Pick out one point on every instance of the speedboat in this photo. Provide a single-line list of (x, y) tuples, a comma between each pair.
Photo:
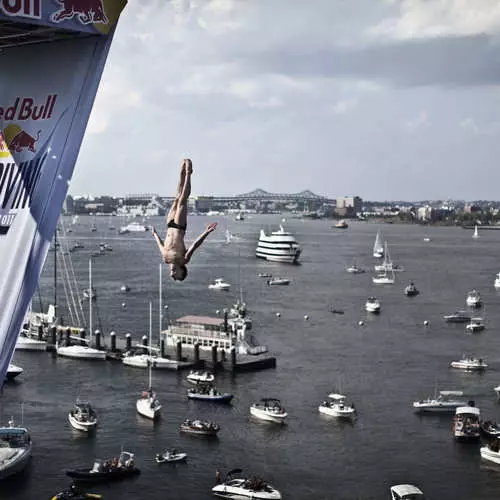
[(13, 371), (354, 269), (241, 488), (446, 401), (278, 281), (170, 456), (411, 290), (473, 299), (124, 288), (341, 224), (466, 423), (265, 275), (475, 325), (83, 417), (270, 410), (497, 281), (133, 227), (337, 406), (491, 451), (148, 405), (74, 493), (469, 363), (457, 317), (207, 392), (490, 429), (15, 449), (219, 284), (372, 305), (196, 376), (104, 471), (497, 391), (199, 427), (406, 492)]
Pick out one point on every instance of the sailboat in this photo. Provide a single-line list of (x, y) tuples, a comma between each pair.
[(476, 232), (386, 276), (378, 247), (83, 351), (148, 405)]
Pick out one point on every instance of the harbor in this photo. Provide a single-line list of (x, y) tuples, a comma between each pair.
[(383, 365)]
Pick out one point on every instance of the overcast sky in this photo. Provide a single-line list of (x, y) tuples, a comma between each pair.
[(385, 99)]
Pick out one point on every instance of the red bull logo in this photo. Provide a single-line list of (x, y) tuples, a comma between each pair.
[(26, 108), (23, 8), (15, 140), (86, 11)]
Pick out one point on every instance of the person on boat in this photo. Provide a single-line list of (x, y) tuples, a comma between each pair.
[(218, 479), (173, 250)]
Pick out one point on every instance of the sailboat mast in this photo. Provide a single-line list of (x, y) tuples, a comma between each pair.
[(55, 272), (160, 301), (150, 337), (90, 300)]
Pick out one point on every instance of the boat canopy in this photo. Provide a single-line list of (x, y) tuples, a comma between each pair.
[(470, 410), (451, 393), (333, 395), (404, 490), (12, 431)]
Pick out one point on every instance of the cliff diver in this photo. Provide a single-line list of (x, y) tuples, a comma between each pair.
[(173, 250)]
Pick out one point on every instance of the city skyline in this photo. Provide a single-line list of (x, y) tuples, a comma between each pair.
[(387, 99)]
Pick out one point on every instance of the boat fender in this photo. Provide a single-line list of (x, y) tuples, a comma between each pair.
[(361, 323)]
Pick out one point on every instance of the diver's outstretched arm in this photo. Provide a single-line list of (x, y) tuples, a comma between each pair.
[(159, 241), (199, 241)]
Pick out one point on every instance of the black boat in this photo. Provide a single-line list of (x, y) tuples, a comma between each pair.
[(490, 429), (411, 290), (106, 470)]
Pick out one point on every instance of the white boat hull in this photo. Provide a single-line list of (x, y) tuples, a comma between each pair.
[(469, 367), (490, 455), (81, 352), (13, 460), (142, 361), (143, 406), (337, 412), (288, 259), (372, 308), (277, 418), (28, 344), (82, 426), (13, 371), (238, 493), (437, 408), (383, 281)]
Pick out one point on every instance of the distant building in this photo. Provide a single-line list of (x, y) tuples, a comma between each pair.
[(349, 206)]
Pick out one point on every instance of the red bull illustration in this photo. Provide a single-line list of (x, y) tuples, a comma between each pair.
[(86, 11), (16, 140)]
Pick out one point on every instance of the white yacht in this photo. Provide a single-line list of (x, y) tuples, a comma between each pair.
[(469, 363), (219, 284), (406, 492), (13, 371), (15, 449), (25, 342), (475, 325), (270, 410), (242, 488), (378, 247), (144, 360), (83, 417), (196, 376), (384, 278), (473, 299), (278, 281), (337, 406), (372, 305), (491, 451), (497, 281), (466, 423), (457, 317), (279, 246), (445, 402), (387, 264), (133, 227)]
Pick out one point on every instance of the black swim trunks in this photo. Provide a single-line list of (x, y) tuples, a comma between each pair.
[(174, 225)]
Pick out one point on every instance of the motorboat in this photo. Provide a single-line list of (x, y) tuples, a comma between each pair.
[(25, 342), (411, 290), (278, 246), (490, 429), (497, 391), (90, 294), (473, 299), (241, 488), (406, 492), (133, 227), (170, 456), (269, 275), (475, 325), (466, 423), (74, 493), (83, 417), (458, 317), (475, 234), (427, 239), (239, 216), (491, 452), (124, 288), (196, 376), (278, 281), (470, 363), (144, 360), (15, 449), (378, 247), (105, 247), (270, 410), (446, 401), (199, 427), (219, 284), (80, 352), (207, 392), (497, 281), (337, 406), (384, 278), (104, 471), (354, 269), (372, 305), (13, 371), (341, 224)]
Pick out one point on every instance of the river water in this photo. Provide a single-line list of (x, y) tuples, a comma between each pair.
[(382, 365)]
